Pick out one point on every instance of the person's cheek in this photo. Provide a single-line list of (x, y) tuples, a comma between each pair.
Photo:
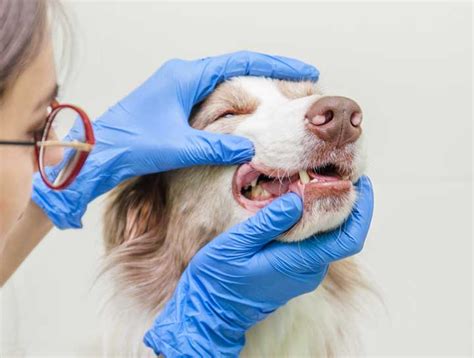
[(34, 160), (53, 155), (16, 172)]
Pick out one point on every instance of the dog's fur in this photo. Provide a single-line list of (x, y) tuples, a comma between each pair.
[(156, 223)]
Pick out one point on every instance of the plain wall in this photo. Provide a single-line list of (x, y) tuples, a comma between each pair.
[(409, 66)]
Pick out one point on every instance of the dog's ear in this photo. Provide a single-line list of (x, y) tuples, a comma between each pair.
[(135, 229), (135, 207)]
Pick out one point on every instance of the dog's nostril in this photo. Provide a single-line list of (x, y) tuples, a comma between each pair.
[(321, 119), (329, 115), (356, 119)]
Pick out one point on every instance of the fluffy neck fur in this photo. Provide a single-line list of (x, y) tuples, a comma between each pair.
[(154, 230)]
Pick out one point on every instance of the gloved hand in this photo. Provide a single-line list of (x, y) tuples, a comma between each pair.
[(241, 276), (148, 131)]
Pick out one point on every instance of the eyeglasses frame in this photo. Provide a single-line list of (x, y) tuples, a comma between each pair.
[(83, 148)]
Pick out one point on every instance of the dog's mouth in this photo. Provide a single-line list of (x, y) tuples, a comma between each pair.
[(255, 186)]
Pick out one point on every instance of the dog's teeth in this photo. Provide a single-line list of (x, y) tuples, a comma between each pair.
[(304, 177), (265, 194), (254, 182), (256, 191), (259, 193)]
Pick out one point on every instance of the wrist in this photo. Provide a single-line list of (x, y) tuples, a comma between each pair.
[(99, 174), (193, 337), (66, 207), (190, 326)]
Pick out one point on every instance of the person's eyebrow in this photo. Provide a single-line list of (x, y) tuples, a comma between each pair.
[(47, 99)]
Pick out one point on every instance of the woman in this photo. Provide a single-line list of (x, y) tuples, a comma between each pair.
[(148, 132)]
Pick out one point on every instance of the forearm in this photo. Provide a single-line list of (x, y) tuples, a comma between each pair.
[(22, 239)]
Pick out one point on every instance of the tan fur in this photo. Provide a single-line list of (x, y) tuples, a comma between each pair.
[(229, 99), (155, 224), (294, 90)]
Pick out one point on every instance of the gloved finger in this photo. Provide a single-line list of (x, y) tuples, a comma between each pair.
[(266, 225), (355, 229), (206, 148), (309, 255), (247, 63)]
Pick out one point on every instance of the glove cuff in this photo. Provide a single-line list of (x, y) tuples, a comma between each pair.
[(57, 205), (188, 328), (186, 339)]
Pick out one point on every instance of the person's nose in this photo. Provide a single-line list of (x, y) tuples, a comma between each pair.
[(335, 120)]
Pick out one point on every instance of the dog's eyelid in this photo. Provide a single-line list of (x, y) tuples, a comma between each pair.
[(231, 112), (226, 114)]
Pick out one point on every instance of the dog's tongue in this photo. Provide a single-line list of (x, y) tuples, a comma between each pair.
[(276, 187)]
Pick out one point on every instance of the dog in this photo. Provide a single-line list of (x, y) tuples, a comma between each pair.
[(305, 141)]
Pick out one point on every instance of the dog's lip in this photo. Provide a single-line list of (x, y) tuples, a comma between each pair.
[(246, 173)]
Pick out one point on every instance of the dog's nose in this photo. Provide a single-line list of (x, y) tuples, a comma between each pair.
[(335, 120)]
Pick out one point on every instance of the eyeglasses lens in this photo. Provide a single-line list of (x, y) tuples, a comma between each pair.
[(60, 150)]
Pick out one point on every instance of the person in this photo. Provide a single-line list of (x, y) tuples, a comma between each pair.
[(233, 282)]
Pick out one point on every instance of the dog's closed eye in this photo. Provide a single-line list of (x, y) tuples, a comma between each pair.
[(227, 102), (227, 115)]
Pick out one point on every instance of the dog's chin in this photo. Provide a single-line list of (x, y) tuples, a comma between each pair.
[(321, 215)]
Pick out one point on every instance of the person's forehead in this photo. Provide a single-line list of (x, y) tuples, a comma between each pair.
[(43, 71)]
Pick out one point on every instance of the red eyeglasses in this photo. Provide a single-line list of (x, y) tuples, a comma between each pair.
[(63, 146)]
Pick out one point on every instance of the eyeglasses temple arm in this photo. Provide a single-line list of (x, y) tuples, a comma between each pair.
[(13, 142), (83, 147)]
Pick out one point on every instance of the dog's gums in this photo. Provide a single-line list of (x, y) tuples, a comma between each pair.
[(254, 187)]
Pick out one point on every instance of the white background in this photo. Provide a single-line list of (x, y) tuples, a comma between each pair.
[(409, 66)]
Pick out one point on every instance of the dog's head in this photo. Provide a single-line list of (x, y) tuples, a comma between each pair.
[(305, 141)]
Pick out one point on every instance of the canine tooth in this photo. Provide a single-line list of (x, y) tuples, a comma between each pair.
[(254, 182), (304, 177)]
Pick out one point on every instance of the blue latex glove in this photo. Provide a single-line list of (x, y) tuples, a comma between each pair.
[(241, 276), (148, 131)]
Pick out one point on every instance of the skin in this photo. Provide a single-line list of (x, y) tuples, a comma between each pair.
[(23, 110)]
